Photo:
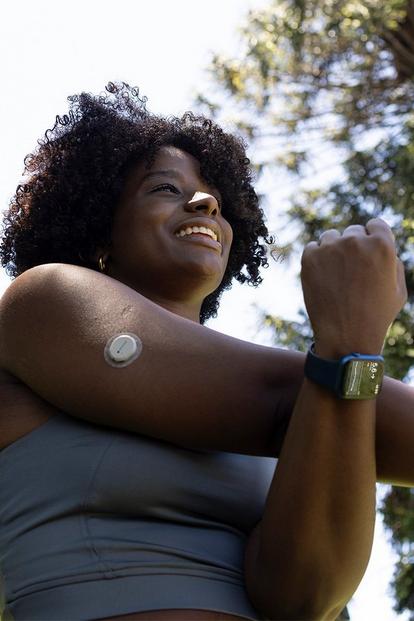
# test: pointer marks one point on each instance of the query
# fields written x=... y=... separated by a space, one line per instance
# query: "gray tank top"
x=97 y=522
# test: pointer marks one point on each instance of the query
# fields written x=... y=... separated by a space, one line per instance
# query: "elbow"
x=277 y=600
x=301 y=611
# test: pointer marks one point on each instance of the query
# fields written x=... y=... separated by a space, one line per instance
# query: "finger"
x=328 y=236
x=377 y=226
x=309 y=248
x=354 y=229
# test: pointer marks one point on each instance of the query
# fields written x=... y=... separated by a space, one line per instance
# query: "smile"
x=201 y=238
x=205 y=230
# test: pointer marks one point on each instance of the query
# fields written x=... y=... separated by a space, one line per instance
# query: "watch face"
x=362 y=379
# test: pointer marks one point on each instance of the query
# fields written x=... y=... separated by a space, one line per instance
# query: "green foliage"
x=302 y=60
x=398 y=514
x=293 y=334
x=336 y=73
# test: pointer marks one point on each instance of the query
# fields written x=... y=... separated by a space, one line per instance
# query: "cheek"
x=228 y=234
x=133 y=241
x=140 y=230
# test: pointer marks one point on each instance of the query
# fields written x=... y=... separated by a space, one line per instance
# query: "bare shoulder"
x=190 y=385
x=21 y=410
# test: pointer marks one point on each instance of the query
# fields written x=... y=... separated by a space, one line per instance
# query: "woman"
x=138 y=461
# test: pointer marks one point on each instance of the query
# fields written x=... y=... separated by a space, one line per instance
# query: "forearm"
x=317 y=529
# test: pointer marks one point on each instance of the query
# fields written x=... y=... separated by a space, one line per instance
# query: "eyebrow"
x=166 y=173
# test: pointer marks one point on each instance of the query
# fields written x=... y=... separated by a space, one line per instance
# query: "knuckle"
x=308 y=252
x=383 y=225
x=351 y=241
x=310 y=246
x=377 y=220
x=353 y=228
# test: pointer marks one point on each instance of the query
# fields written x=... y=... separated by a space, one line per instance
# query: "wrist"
x=355 y=375
x=335 y=351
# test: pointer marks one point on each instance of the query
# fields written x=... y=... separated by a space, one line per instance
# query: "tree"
x=335 y=75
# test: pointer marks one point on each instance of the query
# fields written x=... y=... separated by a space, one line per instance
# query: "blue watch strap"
x=330 y=373
x=322 y=371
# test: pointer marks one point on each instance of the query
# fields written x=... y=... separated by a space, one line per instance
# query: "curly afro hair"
x=64 y=211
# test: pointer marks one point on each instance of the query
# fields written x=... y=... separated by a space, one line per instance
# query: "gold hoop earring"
x=101 y=264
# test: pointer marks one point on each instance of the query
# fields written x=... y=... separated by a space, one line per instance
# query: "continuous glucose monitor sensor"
x=122 y=349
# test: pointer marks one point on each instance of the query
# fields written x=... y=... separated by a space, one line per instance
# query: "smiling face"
x=158 y=203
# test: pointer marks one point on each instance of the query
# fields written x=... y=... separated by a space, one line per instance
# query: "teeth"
x=197 y=229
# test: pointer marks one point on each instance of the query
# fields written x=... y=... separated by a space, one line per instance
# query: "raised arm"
x=315 y=537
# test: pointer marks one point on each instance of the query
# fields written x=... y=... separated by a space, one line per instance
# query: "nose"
x=201 y=201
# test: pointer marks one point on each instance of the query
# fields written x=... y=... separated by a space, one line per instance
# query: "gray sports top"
x=97 y=522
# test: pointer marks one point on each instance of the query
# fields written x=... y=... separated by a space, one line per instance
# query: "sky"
x=50 y=49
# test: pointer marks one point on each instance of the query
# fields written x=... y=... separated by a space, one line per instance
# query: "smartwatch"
x=356 y=376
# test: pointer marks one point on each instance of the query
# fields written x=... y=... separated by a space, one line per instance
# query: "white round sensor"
x=123 y=349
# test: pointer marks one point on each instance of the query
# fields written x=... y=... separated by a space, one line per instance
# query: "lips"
x=201 y=238
x=206 y=222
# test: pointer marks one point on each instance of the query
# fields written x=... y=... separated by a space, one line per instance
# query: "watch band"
x=355 y=376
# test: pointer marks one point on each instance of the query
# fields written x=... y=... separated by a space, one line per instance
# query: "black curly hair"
x=64 y=211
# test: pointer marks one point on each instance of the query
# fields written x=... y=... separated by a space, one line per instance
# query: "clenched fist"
x=354 y=287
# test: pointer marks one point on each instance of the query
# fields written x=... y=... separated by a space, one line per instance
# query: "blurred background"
x=321 y=92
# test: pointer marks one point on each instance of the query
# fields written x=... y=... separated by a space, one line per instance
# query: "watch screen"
x=362 y=379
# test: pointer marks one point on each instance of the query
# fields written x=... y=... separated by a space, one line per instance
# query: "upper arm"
x=191 y=385
x=395 y=433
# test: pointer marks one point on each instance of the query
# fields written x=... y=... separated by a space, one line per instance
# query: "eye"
x=166 y=186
